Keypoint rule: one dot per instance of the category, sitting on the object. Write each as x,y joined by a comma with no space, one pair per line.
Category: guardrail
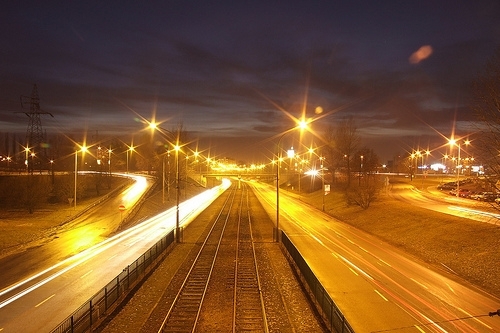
331,314
96,309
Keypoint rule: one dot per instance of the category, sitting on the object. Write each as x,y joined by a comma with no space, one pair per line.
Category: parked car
487,196
447,186
462,192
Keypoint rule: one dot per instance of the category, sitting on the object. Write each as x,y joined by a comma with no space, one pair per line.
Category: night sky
227,70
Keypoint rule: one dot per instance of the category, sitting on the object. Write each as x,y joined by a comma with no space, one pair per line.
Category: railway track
222,289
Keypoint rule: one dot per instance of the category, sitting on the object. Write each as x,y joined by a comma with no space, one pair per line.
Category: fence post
90,312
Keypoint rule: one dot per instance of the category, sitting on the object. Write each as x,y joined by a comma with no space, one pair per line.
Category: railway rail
223,280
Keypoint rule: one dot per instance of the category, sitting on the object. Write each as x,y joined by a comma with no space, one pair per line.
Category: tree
342,143
486,108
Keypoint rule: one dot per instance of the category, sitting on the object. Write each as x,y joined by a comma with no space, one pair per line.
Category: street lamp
52,171
83,149
454,142
131,149
360,169
109,160
321,158
177,148
26,150
177,235
301,125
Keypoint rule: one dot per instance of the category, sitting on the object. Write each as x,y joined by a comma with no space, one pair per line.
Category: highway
376,286
442,202
46,284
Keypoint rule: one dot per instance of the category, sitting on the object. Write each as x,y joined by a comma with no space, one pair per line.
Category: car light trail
474,212
355,267
190,208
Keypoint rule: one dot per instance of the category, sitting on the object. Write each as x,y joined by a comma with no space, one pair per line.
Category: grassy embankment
466,247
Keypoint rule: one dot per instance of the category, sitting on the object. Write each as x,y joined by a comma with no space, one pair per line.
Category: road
377,287
431,198
59,277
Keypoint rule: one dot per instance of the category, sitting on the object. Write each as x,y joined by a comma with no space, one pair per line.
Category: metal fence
95,310
331,314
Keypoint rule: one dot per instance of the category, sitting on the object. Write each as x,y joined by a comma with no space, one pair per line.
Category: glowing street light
130,149
83,149
26,150
177,148
321,158
302,124
153,126
452,143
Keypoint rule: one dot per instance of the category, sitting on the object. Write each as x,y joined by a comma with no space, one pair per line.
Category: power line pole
35,138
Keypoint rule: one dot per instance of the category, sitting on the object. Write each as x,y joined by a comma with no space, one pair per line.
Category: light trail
190,209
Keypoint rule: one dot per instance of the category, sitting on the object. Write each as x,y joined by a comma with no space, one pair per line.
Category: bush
362,195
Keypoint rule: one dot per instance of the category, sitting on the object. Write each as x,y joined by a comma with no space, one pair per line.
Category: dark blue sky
226,68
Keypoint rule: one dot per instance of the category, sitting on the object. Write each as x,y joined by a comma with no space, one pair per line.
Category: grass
466,247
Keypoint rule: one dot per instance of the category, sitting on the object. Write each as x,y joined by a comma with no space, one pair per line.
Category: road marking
418,328
317,239
112,257
385,299
385,262
356,267
84,275
476,319
420,284
44,301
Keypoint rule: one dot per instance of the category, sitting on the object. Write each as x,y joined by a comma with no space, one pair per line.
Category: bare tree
343,141
486,108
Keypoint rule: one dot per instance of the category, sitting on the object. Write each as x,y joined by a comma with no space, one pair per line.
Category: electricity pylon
35,138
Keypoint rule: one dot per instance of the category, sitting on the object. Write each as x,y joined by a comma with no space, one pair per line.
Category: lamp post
131,149
109,160
177,148
454,142
26,150
83,149
322,181
360,170
33,162
52,171
177,235
302,125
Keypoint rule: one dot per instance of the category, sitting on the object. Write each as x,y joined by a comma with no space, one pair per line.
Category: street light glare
153,125
302,124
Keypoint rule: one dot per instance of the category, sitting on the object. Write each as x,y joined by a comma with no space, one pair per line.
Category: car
476,195
487,196
464,193
447,186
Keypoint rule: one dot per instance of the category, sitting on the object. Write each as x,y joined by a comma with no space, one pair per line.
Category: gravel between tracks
145,309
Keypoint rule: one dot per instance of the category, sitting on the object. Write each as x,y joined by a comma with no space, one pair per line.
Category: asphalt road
377,287
441,201
44,285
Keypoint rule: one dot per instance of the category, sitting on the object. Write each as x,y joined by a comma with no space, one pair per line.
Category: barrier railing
332,316
95,310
